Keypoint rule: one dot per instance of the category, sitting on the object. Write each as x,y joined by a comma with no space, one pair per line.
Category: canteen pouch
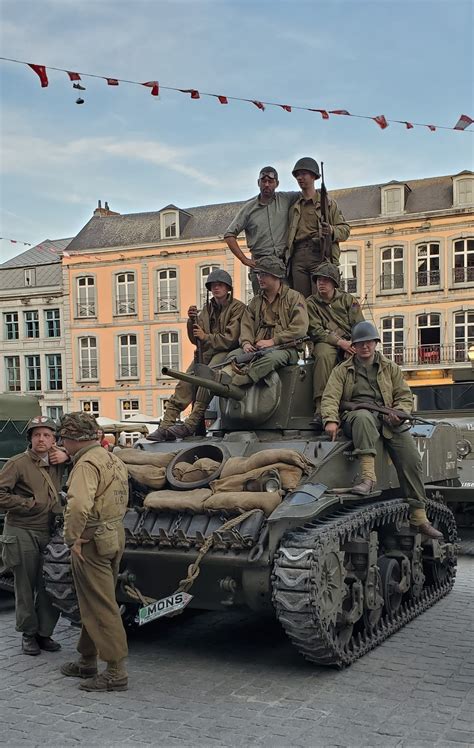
107,540
10,552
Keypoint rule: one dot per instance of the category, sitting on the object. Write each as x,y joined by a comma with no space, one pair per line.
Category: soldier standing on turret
306,228
217,329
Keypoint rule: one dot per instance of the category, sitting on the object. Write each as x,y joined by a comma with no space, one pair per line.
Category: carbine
384,410
246,358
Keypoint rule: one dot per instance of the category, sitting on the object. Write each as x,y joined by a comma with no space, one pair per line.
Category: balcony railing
130,370
167,304
393,282
463,275
427,278
86,309
428,355
126,307
88,372
349,285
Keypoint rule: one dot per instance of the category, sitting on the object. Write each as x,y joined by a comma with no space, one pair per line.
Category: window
392,200
249,294
169,225
31,324
203,274
11,325
162,403
54,371
55,412
12,374
88,358
128,356
427,265
86,297
125,302
463,261
429,336
348,268
90,406
52,323
392,269
128,408
169,350
30,276
463,191
463,334
167,300
33,373
393,338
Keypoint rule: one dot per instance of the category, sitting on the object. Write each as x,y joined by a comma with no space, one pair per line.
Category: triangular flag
223,99
381,121
40,70
322,112
112,81
463,122
259,105
194,94
340,111
286,107
73,76
155,87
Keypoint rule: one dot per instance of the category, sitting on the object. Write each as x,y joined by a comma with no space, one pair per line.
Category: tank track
57,575
302,591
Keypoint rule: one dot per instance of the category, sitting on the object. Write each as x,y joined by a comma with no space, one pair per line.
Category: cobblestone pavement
212,680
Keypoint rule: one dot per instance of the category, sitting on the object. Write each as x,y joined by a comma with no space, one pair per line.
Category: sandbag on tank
140,457
290,476
148,475
179,501
266,458
236,502
197,471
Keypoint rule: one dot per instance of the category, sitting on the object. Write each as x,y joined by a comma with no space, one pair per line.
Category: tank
340,573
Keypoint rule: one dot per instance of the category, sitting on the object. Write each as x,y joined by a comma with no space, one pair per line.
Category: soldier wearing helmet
29,493
370,377
215,331
306,227
97,497
332,315
264,219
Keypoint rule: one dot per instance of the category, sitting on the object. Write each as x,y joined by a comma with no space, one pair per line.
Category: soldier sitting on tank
29,492
332,315
216,328
277,315
370,377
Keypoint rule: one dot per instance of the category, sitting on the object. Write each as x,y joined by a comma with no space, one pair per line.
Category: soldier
265,221
29,492
332,315
306,228
277,315
370,377
97,496
217,329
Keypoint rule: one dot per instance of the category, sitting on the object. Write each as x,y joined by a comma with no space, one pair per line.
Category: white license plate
163,607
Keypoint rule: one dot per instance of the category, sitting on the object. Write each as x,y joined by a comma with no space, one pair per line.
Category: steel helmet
363,331
328,270
307,164
218,276
78,426
272,266
40,422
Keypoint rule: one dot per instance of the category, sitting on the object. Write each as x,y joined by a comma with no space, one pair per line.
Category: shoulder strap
50,483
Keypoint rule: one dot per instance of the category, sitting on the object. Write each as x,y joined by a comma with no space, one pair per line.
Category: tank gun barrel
218,388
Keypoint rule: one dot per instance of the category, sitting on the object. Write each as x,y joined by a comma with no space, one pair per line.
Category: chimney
104,211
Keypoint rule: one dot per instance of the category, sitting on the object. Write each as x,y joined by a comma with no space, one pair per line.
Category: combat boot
113,678
367,482
48,644
161,434
86,667
29,645
420,522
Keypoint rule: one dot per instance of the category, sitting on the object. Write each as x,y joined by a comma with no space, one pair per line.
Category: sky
407,59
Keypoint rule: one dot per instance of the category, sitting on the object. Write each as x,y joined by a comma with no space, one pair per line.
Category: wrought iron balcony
86,309
393,282
167,304
428,355
128,370
88,372
463,274
126,306
425,278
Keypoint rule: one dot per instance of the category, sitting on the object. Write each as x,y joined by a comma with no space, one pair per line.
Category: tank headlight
268,481
272,485
463,447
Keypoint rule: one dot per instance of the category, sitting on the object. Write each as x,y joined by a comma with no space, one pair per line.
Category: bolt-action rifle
246,358
325,239
384,410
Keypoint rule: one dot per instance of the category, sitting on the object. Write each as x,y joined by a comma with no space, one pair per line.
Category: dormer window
169,225
463,190
393,198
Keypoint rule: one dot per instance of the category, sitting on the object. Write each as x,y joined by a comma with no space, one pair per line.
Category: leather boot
420,522
48,644
85,668
159,435
364,488
367,476
29,645
178,431
113,678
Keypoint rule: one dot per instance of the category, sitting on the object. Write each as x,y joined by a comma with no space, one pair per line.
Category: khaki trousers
304,262
325,359
272,361
95,578
185,393
23,554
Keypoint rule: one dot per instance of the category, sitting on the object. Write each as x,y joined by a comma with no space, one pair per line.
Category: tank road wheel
390,575
334,613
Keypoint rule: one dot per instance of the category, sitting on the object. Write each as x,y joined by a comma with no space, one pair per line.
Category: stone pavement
212,680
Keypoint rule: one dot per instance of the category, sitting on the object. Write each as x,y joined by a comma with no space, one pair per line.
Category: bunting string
14,241
464,121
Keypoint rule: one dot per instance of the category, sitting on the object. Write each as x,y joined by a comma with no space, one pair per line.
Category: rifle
246,358
384,410
198,366
326,240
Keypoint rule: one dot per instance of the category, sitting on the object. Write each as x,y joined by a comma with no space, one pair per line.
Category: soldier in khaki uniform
277,315
97,496
217,329
29,492
370,377
306,227
332,315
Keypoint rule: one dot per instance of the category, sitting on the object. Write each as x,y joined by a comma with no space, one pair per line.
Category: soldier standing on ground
29,492
265,221
370,377
97,497
306,227
217,328
332,315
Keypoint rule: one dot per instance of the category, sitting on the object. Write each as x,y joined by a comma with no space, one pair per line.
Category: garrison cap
79,427
272,266
328,270
268,171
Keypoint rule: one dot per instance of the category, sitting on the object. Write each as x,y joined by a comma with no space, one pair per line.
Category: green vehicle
341,573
